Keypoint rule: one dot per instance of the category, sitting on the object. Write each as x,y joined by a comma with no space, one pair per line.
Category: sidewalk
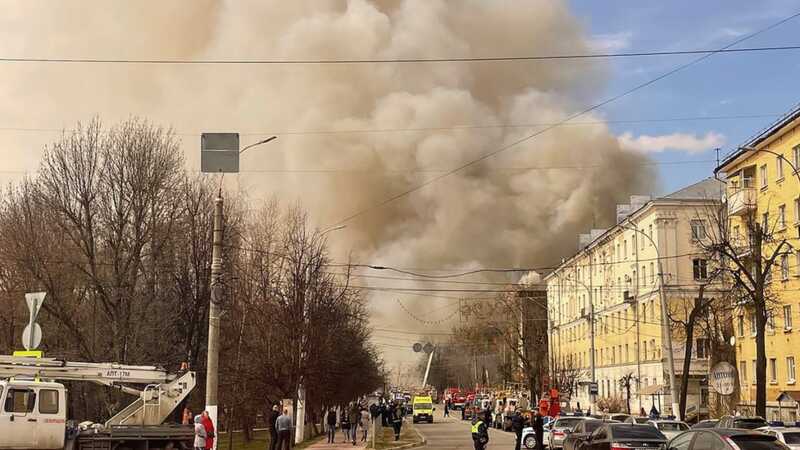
324,445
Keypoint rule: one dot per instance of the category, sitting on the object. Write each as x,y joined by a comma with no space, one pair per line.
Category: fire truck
33,406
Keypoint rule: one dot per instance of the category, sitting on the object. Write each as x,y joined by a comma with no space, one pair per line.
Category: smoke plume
351,135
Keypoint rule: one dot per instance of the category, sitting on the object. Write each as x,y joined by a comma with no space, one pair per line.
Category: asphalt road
454,434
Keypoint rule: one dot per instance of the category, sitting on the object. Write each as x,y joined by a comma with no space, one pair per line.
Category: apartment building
606,297
763,185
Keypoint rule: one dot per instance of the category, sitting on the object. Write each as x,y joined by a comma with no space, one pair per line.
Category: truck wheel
530,441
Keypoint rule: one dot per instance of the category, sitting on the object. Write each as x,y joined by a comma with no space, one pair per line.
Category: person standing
209,426
344,423
447,407
538,430
517,425
284,426
397,420
355,418
480,434
331,421
273,432
365,420
199,433
487,415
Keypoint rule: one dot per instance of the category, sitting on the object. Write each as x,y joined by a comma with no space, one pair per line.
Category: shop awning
788,396
653,389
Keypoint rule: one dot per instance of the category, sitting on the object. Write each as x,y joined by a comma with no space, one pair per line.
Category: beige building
606,297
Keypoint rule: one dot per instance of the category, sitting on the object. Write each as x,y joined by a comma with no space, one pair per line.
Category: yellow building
607,296
763,184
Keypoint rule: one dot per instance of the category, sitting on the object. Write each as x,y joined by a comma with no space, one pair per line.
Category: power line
8,59
569,118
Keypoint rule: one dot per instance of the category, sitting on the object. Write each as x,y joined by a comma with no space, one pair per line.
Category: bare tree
625,383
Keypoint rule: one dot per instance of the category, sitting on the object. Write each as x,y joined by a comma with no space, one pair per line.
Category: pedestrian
384,410
355,418
480,434
517,424
487,415
447,408
365,421
284,426
344,424
538,430
331,431
397,420
187,417
209,426
654,412
199,433
273,432
642,412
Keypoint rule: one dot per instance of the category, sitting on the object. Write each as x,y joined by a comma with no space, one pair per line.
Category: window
644,350
641,239
652,311
702,348
763,174
653,347
779,166
652,274
796,157
627,355
698,229
797,263
743,372
797,210
700,269
650,233
48,401
625,248
781,217
773,371
787,317
784,267
20,401
770,321
790,369
644,312
644,276
740,327
752,325
754,371
765,222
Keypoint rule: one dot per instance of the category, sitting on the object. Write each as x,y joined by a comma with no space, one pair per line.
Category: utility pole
212,363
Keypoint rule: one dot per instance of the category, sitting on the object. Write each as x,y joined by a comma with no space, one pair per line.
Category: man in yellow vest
480,433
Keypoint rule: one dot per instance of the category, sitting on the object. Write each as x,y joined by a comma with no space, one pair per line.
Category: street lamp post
665,328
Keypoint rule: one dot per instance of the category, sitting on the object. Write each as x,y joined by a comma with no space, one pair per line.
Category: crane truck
33,406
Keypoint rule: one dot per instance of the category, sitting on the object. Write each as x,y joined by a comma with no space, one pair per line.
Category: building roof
760,137
710,188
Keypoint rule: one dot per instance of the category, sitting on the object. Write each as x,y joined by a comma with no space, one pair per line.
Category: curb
421,443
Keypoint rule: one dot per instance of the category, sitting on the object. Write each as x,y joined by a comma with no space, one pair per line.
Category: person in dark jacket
344,424
538,430
447,408
517,424
273,432
331,421
480,434
487,416
397,420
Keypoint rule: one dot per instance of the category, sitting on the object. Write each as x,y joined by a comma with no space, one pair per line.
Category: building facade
606,297
763,185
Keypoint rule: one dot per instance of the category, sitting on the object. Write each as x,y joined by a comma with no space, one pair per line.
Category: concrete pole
592,397
428,369
212,364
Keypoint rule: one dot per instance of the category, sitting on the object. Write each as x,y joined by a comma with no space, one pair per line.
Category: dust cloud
350,135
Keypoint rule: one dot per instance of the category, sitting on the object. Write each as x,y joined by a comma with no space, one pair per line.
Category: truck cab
32,415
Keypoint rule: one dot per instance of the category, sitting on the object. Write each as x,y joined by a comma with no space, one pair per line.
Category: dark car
742,422
710,423
574,440
725,439
625,436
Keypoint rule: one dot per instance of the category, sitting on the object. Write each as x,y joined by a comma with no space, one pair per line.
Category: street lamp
665,328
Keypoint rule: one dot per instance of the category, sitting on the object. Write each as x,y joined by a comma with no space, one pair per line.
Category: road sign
428,348
32,336
417,347
722,378
219,152
593,390
34,301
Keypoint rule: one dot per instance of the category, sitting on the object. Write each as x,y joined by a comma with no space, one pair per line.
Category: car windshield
641,419
634,432
672,426
750,424
422,406
792,438
592,425
567,423
756,442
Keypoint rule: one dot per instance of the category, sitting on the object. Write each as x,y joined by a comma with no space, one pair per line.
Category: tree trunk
761,358
687,361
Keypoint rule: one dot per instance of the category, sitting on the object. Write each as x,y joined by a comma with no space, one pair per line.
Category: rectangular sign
593,389
219,152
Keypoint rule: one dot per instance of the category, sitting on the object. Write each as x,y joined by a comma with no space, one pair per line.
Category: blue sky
723,85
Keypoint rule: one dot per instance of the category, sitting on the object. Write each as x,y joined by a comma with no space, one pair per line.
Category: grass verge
385,439
260,441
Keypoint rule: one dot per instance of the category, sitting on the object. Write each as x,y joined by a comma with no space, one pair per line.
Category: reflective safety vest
476,426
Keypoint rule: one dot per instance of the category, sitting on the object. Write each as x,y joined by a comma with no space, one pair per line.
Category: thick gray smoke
378,129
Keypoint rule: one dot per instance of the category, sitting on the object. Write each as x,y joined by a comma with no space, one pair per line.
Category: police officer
480,433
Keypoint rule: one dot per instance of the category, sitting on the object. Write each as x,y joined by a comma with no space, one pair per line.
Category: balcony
741,200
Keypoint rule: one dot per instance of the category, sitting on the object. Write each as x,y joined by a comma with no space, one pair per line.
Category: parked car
619,417
529,437
725,439
789,436
612,436
742,422
575,439
710,423
637,419
670,428
562,426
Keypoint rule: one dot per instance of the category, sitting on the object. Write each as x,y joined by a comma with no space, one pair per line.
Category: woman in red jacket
209,426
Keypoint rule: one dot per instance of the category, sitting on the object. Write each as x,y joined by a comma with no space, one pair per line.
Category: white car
669,428
789,436
529,437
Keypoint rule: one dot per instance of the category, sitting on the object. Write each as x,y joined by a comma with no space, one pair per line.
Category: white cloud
681,142
610,42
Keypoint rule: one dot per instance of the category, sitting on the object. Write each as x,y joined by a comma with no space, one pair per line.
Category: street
454,433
